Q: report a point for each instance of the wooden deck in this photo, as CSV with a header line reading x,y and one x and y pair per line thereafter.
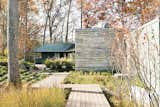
x,y
86,96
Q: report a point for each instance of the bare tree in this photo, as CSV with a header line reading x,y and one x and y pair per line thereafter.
x,y
50,18
57,20
68,17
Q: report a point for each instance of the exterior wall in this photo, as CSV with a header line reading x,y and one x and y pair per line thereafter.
x,y
92,48
146,41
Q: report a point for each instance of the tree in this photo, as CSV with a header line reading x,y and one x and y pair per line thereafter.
x,y
12,43
28,27
145,10
57,20
119,13
96,10
68,19
3,25
49,6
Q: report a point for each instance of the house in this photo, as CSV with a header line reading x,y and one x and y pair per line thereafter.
x,y
56,50
93,46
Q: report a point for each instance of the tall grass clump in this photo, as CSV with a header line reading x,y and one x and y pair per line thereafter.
x,y
32,98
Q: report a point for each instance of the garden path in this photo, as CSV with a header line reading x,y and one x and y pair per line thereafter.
x,y
52,81
82,95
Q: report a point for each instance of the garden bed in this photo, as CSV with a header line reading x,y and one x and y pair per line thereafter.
x,y
54,97
27,77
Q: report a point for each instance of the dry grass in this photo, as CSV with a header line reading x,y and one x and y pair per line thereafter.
x,y
32,98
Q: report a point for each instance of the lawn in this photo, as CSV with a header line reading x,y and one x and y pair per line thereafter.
x,y
116,85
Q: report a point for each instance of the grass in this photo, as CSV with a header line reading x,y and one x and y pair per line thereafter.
x,y
115,84
102,78
26,76
32,98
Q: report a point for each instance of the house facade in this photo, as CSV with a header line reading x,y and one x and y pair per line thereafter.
x,y
92,48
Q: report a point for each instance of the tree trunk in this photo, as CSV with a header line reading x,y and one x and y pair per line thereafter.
x,y
12,43
26,29
45,29
81,14
67,29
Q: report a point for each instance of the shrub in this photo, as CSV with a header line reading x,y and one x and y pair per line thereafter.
x,y
60,64
3,60
32,98
48,63
27,65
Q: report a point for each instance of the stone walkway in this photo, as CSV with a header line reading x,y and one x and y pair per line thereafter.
x,y
52,81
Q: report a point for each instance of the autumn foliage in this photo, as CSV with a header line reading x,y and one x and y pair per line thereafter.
x,y
117,12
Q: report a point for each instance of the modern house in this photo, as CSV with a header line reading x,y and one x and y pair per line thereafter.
x,y
56,50
93,46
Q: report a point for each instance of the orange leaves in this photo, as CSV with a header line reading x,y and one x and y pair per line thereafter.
x,y
3,2
34,9
101,15
89,21
92,12
146,9
98,10
87,6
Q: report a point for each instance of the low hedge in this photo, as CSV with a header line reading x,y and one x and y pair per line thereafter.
x,y
60,65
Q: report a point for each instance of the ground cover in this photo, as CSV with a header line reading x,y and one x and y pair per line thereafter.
x,y
27,77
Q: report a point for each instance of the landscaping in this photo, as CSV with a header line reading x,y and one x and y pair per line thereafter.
x,y
33,98
120,96
26,76
29,97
